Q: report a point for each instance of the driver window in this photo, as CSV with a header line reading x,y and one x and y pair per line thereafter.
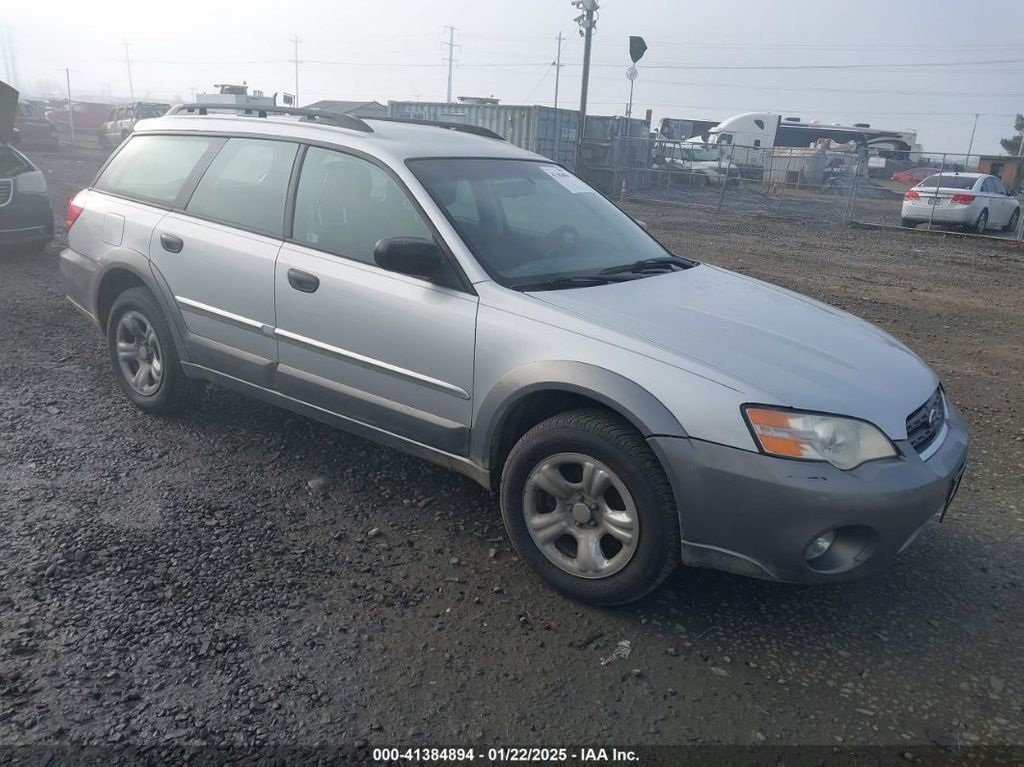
x,y
345,204
724,138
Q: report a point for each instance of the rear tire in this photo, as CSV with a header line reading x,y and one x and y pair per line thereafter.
x,y
143,356
981,223
587,505
1011,225
907,223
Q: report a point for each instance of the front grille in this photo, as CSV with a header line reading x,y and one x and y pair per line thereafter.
x,y
925,423
6,190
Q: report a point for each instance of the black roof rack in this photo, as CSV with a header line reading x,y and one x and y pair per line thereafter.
x,y
476,130
309,115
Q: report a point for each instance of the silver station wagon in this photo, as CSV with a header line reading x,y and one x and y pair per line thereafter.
x,y
439,290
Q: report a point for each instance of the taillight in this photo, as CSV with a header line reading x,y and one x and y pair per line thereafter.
x,y
963,199
911,195
75,207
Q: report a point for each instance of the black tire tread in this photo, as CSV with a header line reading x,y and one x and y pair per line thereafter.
x,y
616,430
182,392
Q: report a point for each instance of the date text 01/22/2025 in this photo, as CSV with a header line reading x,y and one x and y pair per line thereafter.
x,y
504,754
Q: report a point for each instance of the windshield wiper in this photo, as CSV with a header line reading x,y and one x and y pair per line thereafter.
x,y
573,281
665,263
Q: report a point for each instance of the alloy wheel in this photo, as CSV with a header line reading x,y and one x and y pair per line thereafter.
x,y
580,515
139,354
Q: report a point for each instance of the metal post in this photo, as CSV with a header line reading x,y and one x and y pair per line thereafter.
x,y
725,179
785,180
935,197
558,67
71,105
847,216
629,106
295,61
128,63
591,6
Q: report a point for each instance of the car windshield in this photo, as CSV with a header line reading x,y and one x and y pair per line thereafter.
x,y
149,111
949,182
531,222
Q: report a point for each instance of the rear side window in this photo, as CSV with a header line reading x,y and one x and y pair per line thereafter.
x,y
153,167
246,185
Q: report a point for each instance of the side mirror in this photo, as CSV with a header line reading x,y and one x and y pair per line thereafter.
x,y
414,256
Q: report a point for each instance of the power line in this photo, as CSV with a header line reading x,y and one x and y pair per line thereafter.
x,y
819,89
790,67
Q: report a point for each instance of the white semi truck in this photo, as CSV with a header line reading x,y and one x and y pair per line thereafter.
x,y
749,138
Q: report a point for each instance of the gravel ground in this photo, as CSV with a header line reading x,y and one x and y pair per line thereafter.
x,y
244,576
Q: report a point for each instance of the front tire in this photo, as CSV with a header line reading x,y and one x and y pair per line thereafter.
x,y
587,505
143,356
1011,225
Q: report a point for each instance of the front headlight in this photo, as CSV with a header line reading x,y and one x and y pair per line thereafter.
x,y
845,443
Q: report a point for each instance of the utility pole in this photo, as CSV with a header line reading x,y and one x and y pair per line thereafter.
x,y
295,61
450,58
128,63
9,57
586,22
558,67
71,106
971,145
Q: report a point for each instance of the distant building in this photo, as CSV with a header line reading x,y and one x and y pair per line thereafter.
x,y
353,108
1010,170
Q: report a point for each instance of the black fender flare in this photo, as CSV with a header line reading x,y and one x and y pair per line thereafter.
x,y
628,398
139,265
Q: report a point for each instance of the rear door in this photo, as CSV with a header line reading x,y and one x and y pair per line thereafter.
x,y
385,349
217,255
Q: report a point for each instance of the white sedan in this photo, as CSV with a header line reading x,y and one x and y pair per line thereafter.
x,y
974,200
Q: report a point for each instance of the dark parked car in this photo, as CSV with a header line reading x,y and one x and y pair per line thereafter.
x,y
31,128
25,216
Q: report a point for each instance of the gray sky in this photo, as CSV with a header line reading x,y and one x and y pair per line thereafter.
x,y
392,50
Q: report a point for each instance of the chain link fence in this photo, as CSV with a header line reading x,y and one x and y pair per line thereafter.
x,y
824,182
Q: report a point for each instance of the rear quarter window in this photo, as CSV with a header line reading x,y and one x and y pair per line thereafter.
x,y
154,167
246,185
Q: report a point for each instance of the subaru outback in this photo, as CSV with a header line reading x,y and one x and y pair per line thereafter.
x,y
443,292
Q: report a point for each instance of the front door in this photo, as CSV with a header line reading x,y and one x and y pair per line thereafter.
x,y
387,350
218,257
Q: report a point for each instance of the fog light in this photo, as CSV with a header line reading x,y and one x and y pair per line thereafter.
x,y
820,545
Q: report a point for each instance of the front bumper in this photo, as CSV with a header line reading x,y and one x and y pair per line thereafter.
x,y
753,514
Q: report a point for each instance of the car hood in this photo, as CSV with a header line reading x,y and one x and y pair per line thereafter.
x,y
8,109
801,352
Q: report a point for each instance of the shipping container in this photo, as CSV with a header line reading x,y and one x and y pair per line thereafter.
x,y
545,130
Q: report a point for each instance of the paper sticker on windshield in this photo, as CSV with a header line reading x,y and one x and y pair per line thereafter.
x,y
566,179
